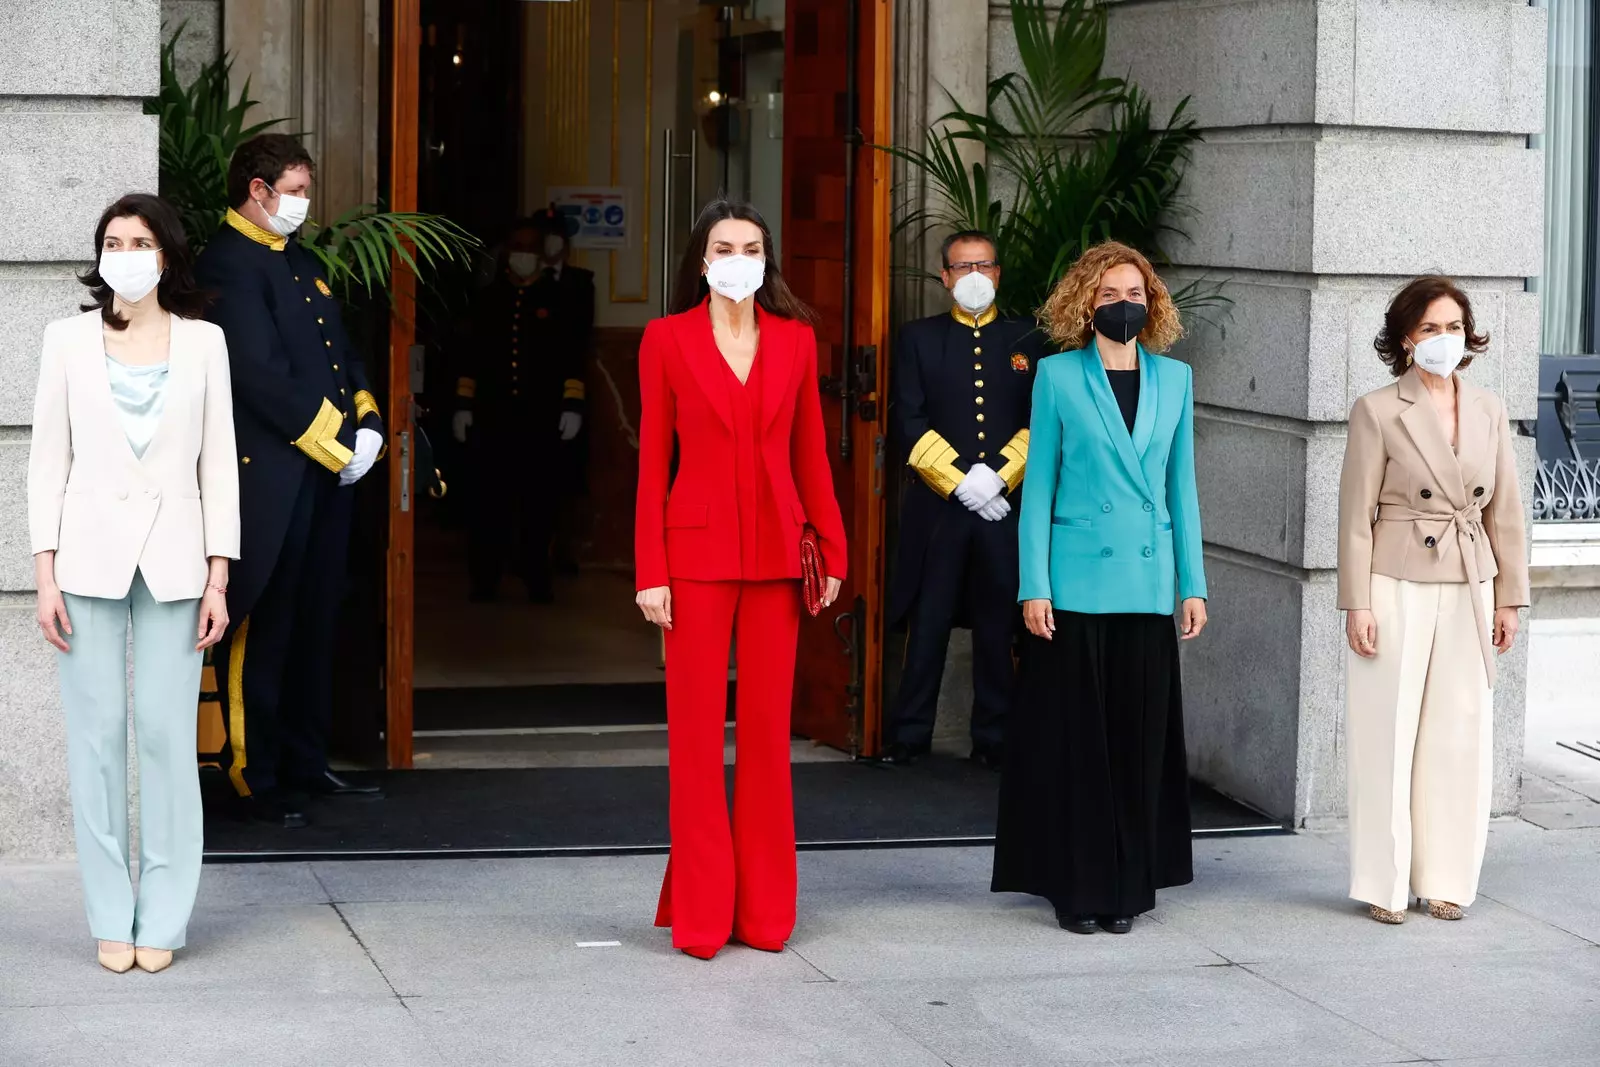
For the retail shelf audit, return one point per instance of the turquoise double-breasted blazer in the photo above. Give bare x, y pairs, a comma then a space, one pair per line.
1110, 521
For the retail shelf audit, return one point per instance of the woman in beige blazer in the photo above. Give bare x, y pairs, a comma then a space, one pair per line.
133, 511
1432, 569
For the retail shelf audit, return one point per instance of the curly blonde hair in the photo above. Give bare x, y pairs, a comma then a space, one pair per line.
1068, 316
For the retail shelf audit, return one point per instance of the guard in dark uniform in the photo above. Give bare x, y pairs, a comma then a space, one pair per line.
308, 428
962, 390
520, 404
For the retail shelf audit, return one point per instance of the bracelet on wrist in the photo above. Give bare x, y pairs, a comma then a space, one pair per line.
214, 587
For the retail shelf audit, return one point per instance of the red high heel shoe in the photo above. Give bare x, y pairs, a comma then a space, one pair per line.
701, 952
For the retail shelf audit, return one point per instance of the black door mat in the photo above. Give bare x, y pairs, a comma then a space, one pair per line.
542, 707
617, 810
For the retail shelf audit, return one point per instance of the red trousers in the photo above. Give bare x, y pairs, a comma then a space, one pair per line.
730, 878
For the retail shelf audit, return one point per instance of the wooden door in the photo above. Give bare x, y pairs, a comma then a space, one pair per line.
836, 255
399, 653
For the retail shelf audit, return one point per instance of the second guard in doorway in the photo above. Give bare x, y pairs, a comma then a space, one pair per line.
520, 403
962, 387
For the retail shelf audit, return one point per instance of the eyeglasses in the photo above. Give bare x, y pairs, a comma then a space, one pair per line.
968, 268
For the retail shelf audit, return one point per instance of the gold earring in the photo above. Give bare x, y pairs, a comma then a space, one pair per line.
1408, 359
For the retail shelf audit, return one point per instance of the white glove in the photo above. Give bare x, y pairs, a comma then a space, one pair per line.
996, 509
368, 444
459, 425
980, 486
571, 423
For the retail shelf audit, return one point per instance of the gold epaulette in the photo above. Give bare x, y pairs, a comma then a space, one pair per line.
574, 390
933, 458
321, 439
1016, 465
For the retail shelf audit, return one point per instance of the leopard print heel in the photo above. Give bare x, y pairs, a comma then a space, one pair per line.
1384, 915
1443, 909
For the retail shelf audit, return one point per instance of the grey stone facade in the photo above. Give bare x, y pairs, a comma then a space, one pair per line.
72, 139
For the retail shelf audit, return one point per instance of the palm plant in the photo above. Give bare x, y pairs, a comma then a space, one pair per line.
201, 125
1071, 158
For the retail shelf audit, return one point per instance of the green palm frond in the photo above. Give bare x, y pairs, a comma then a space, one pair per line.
1070, 158
203, 123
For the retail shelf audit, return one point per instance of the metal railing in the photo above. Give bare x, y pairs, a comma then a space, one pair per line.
1567, 490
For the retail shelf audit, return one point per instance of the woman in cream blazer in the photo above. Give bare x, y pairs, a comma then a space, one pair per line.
1432, 570
133, 511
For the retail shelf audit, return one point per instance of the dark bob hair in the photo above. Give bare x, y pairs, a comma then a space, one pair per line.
1405, 314
775, 297
177, 292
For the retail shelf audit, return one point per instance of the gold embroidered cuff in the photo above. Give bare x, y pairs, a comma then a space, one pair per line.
466, 388
1016, 465
321, 439
366, 404
934, 458
256, 233
573, 391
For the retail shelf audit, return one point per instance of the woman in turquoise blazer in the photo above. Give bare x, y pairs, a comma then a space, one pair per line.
1094, 806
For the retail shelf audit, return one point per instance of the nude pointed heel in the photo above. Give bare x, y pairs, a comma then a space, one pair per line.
153, 960
117, 961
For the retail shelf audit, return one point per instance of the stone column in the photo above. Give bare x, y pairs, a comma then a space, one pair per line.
73, 138
1350, 144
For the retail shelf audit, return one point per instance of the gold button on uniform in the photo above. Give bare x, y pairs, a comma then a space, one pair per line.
328, 343
319, 320
977, 366
341, 392
981, 436
977, 351
978, 401
336, 366
977, 333
244, 459
308, 300
978, 383
513, 364
980, 416
981, 455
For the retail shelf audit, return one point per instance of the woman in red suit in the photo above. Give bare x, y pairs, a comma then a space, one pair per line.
732, 374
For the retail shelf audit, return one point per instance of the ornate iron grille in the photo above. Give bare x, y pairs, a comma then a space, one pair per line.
1567, 490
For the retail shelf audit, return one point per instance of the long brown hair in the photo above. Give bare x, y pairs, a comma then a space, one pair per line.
176, 292
775, 297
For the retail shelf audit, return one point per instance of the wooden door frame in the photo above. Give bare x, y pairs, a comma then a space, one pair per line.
871, 327
405, 59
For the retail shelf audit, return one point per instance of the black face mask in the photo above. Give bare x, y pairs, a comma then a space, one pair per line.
1120, 322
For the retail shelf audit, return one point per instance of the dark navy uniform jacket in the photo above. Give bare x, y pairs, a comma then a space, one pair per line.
523, 353
299, 389
962, 389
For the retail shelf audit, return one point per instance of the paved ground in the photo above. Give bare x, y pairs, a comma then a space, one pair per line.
902, 958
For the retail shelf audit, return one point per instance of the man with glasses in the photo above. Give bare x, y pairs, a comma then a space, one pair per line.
963, 383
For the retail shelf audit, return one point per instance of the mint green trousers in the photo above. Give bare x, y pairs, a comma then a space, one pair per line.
166, 687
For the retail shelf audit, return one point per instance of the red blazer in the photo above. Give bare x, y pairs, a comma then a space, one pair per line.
694, 534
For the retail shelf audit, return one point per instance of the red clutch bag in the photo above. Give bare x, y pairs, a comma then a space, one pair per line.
812, 577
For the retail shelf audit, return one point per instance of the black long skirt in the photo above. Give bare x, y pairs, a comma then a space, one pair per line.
1094, 798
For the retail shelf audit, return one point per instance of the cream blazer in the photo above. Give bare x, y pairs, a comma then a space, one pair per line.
107, 513
1413, 508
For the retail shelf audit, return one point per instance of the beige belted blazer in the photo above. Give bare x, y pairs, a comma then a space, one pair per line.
105, 512
1412, 508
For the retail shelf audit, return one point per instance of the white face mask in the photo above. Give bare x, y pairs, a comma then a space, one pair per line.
292, 212
553, 247
736, 277
1441, 355
974, 292
524, 263
131, 275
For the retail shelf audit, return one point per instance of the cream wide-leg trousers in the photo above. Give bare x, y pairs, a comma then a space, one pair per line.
1419, 746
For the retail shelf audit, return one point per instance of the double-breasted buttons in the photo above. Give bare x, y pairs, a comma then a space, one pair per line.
1431, 541
1478, 491
1148, 551
1106, 508
1427, 494
1105, 552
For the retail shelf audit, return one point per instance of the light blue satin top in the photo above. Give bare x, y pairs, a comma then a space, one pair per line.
139, 393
